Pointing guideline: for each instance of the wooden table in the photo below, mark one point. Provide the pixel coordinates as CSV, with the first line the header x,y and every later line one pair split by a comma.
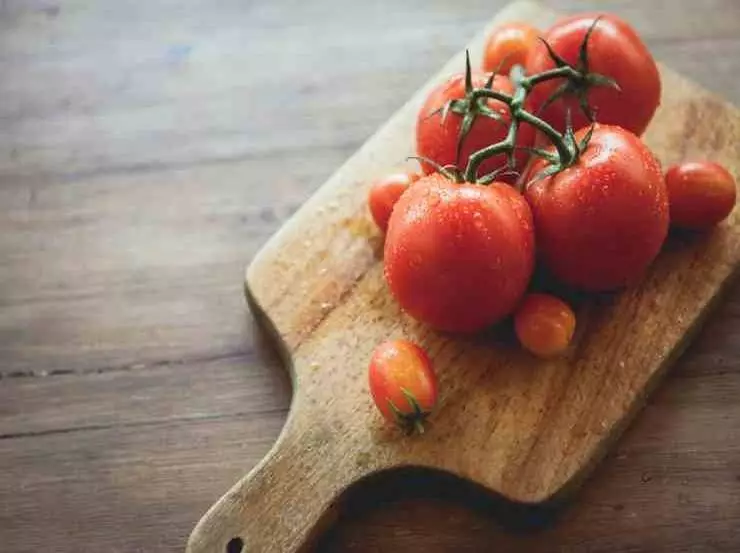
x,y
147,150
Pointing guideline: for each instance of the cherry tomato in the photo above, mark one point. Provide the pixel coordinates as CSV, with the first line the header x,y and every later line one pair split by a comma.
x,y
507,46
700,194
384,194
602,221
437,136
459,256
544,324
615,51
402,383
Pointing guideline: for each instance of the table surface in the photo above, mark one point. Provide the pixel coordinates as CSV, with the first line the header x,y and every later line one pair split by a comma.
x,y
147,150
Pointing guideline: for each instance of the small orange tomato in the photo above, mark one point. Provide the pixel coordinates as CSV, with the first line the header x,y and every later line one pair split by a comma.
x,y
700,194
384,194
507,46
402,383
544,324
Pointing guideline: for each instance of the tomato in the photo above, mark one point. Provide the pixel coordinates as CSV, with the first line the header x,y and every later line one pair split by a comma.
x,y
601,221
459,256
402,383
544,324
437,136
507,46
700,194
615,51
384,194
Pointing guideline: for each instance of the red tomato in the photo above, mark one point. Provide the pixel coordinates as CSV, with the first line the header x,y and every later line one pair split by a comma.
x,y
384,194
402,383
507,46
602,221
458,257
544,324
437,137
614,50
700,194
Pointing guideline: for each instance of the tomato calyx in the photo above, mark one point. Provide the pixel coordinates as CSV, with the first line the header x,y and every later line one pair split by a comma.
x,y
454,174
578,79
472,106
409,422
556,162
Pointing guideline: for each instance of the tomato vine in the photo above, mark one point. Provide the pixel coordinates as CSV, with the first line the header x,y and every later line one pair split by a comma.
x,y
578,80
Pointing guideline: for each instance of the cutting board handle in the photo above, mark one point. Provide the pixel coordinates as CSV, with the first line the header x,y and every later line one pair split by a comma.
x,y
281,504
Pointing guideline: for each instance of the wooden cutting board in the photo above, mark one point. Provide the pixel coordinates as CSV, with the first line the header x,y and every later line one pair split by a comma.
x,y
525,429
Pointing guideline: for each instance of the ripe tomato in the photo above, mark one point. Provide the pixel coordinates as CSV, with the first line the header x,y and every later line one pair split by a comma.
x,y
603,220
384,194
459,256
700,194
507,46
544,324
437,136
402,383
614,50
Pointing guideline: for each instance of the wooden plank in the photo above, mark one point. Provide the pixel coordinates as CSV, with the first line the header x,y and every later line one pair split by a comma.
x,y
529,431
92,64
102,272
169,100
130,488
245,385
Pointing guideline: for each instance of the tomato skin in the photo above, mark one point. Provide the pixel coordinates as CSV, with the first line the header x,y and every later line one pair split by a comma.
x,y
615,50
395,366
458,257
508,45
544,324
700,193
436,139
384,194
602,221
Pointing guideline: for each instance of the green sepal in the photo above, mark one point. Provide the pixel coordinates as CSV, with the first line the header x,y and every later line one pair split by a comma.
x,y
583,144
409,422
549,156
558,93
583,50
556,58
597,79
449,171
493,175
465,126
468,74
549,171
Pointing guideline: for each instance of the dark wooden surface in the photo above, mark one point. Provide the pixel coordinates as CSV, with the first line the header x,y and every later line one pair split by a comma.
x,y
147,150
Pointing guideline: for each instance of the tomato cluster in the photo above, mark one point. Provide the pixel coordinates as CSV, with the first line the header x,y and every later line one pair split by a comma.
x,y
534,159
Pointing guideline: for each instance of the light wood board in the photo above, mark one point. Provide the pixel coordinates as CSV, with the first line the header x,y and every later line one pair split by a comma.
x,y
525,429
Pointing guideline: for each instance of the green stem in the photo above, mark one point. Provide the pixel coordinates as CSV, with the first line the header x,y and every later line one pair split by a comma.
x,y
494,94
557,73
518,114
566,156
475,160
515,104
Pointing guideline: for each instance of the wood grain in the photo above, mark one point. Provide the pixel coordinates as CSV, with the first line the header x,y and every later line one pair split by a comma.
x,y
125,223
530,431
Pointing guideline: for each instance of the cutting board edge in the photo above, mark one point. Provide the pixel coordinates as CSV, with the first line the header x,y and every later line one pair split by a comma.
x,y
606,445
